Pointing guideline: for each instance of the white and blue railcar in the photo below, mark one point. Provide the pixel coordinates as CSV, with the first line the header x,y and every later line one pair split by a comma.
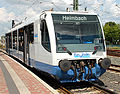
x,y
68,45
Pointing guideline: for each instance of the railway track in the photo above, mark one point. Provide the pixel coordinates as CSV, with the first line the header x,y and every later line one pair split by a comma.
x,y
90,88
114,67
63,90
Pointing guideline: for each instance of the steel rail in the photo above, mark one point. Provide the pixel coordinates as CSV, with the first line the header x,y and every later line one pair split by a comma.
x,y
113,68
103,89
95,87
115,65
64,90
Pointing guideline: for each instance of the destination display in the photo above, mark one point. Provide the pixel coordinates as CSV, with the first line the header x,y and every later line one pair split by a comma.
x,y
74,17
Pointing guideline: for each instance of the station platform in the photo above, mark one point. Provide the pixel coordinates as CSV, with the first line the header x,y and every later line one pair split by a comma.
x,y
16,79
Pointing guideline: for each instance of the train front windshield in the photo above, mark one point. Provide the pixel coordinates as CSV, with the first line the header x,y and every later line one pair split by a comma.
x,y
77,33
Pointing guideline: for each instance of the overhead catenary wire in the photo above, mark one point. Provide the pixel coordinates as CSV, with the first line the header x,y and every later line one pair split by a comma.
x,y
82,4
118,6
56,6
35,1
44,2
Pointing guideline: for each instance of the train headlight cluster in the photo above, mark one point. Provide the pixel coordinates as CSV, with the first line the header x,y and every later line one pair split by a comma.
x,y
104,63
65,65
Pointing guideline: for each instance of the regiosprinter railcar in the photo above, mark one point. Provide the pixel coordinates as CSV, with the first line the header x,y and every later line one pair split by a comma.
x,y
68,45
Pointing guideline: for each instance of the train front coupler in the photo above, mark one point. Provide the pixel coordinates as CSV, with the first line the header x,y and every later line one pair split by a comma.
x,y
84,70
104,63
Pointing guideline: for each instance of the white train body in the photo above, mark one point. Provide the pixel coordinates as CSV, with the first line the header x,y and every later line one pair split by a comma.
x,y
68,45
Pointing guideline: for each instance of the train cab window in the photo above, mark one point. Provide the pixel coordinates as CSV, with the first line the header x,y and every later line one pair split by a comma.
x,y
45,36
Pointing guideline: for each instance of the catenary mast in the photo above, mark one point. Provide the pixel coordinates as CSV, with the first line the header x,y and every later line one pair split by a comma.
x,y
75,5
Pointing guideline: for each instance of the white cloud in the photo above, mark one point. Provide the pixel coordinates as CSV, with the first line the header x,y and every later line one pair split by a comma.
x,y
106,9
23,8
111,11
68,1
19,9
115,10
5,16
13,2
30,13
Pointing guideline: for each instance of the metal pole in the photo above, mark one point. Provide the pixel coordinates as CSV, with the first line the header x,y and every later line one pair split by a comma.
x,y
75,5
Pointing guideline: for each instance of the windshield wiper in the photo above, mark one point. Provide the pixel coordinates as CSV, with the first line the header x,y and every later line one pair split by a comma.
x,y
65,49
96,49
68,51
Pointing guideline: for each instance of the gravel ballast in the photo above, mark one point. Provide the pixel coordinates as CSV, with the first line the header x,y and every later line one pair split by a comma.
x,y
112,79
114,60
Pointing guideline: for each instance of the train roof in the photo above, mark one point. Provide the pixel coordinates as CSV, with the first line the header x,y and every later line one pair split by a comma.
x,y
84,13
32,19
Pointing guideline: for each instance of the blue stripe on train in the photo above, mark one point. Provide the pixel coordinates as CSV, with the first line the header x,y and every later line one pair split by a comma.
x,y
64,76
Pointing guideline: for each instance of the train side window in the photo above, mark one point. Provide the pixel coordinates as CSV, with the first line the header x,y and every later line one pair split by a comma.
x,y
9,41
20,38
15,39
45,36
31,33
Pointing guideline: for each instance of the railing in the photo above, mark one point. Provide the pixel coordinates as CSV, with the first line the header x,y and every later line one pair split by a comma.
x,y
113,52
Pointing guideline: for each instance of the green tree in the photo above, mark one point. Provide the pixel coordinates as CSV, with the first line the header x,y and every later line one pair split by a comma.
x,y
112,32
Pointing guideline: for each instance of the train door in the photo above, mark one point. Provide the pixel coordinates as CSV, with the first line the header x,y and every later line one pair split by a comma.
x,y
20,42
28,39
7,42
25,45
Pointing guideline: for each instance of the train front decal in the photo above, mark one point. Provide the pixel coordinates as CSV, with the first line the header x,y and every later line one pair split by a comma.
x,y
82,55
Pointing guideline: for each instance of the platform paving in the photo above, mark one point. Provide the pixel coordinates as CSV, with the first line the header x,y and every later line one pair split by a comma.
x,y
3,86
16,79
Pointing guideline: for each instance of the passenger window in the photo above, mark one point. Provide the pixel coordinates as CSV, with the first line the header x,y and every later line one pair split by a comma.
x,y
30,34
9,41
21,39
45,36
15,39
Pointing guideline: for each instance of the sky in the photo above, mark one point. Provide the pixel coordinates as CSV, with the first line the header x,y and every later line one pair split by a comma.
x,y
108,10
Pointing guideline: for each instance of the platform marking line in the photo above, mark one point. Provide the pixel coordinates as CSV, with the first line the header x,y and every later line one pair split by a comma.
x,y
18,82
40,80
